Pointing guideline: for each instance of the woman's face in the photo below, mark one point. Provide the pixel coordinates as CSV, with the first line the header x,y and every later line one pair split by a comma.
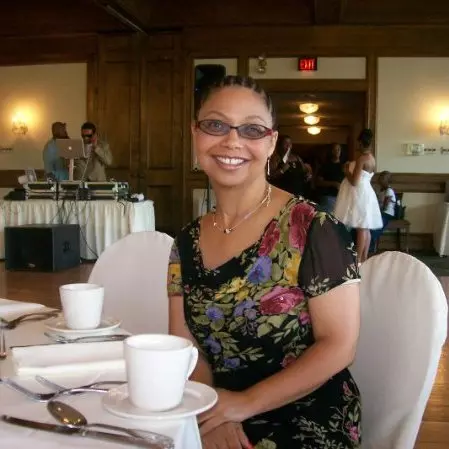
x,y
231,159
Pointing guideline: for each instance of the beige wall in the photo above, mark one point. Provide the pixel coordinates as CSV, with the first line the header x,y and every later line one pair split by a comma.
x,y
413,95
42,94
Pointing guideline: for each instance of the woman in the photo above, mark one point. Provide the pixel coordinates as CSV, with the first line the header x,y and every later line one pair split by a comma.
x,y
267,288
357,205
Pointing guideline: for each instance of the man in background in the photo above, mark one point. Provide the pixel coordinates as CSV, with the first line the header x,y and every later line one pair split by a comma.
x,y
329,177
98,156
55,167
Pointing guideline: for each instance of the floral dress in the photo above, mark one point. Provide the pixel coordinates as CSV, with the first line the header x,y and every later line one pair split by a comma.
x,y
250,318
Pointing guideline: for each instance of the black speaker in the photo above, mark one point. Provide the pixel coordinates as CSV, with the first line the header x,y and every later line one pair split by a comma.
x,y
42,247
205,76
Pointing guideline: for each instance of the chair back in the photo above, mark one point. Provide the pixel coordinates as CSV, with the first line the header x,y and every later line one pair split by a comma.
x,y
404,318
133,272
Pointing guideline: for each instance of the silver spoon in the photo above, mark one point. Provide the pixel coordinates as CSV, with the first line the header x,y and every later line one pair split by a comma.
x,y
73,418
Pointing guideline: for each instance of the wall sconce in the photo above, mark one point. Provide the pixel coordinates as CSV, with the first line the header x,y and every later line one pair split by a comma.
x,y
261,64
444,128
18,125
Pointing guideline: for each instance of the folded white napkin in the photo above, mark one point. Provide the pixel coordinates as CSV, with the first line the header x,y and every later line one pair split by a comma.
x,y
68,358
11,309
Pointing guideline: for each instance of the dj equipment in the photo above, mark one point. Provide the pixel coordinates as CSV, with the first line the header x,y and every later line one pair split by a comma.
x,y
78,190
44,247
107,190
72,190
41,190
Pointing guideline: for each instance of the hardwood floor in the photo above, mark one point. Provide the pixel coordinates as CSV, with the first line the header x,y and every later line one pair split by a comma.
x,y
43,288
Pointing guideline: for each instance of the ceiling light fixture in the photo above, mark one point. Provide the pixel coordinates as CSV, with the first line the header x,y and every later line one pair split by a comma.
x,y
314,130
311,119
308,108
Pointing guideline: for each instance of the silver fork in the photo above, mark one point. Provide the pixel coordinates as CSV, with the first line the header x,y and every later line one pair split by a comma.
x,y
58,387
87,339
3,350
45,397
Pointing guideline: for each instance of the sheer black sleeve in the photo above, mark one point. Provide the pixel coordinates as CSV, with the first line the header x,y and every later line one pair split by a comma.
x,y
329,257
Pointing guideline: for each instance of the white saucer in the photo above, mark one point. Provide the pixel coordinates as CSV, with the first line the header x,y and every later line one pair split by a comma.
x,y
197,399
58,326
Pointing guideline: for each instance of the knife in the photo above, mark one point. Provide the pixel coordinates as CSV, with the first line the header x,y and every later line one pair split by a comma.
x,y
82,432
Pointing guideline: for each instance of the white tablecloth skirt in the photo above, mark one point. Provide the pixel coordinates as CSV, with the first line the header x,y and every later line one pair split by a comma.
x,y
102,222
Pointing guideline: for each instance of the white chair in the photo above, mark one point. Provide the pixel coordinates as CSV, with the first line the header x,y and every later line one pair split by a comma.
x,y
133,272
404,317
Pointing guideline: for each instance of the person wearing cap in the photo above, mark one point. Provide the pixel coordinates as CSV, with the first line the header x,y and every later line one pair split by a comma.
x,y
54,166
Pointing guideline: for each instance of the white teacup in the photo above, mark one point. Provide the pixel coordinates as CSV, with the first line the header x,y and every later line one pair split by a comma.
x,y
157,368
82,305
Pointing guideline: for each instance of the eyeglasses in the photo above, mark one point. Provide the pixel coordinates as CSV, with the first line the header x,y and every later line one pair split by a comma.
x,y
87,135
247,131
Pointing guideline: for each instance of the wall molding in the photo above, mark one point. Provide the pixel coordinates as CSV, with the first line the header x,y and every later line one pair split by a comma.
x,y
418,182
417,242
356,40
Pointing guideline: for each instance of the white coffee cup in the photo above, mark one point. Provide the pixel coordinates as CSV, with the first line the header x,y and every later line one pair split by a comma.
x,y
157,368
82,305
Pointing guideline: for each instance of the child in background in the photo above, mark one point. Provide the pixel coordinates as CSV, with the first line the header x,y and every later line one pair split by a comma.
x,y
387,203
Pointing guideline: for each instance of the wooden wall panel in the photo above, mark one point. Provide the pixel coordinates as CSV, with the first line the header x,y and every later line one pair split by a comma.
x,y
164,197
160,172
119,102
159,142
116,118
47,50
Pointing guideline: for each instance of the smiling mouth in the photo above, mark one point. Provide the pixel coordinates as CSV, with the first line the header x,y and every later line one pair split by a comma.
x,y
233,162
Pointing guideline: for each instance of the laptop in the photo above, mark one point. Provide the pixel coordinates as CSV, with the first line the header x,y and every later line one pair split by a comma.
x,y
71,148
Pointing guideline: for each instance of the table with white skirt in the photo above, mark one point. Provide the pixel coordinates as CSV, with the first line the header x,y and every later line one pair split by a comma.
x,y
102,222
183,431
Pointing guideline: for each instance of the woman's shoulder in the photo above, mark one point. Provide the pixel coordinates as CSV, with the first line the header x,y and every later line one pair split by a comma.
x,y
299,217
300,210
188,231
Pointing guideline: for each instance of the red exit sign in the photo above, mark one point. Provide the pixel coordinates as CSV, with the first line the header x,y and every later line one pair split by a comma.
x,y
307,64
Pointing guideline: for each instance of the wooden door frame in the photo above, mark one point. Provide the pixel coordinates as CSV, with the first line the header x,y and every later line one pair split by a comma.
x,y
365,86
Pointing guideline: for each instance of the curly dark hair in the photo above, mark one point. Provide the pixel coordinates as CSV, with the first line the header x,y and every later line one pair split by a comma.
x,y
365,138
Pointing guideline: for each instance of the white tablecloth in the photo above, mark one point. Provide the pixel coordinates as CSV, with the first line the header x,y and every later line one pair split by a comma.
x,y
184,432
102,222
441,230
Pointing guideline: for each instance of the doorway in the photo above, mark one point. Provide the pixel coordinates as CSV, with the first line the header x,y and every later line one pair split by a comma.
x,y
341,118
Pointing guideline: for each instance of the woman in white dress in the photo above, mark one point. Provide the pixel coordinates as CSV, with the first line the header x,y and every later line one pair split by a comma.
x,y
357,205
